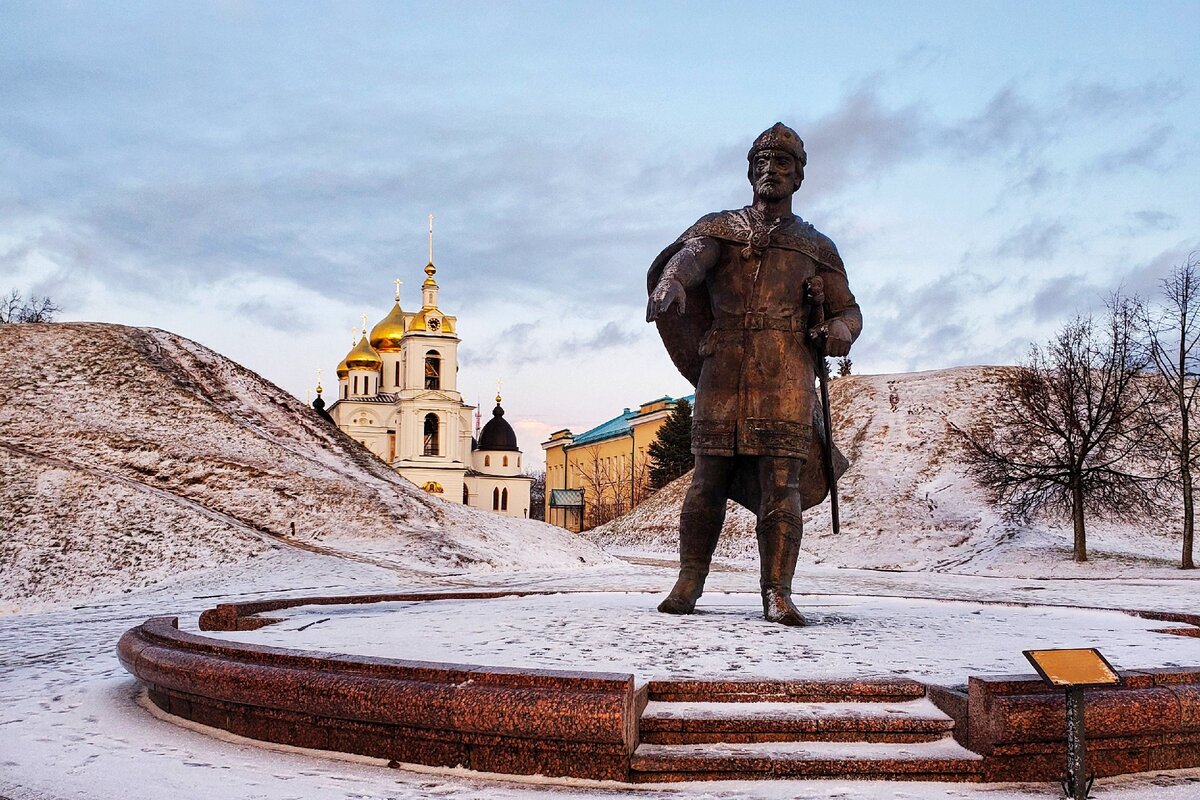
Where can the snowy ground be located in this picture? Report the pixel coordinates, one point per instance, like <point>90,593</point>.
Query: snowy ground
<point>72,724</point>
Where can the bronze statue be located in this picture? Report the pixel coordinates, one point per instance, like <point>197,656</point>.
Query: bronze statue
<point>760,295</point>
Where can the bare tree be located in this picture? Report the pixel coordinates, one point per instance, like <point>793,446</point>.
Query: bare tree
<point>640,483</point>
<point>1172,330</point>
<point>613,484</point>
<point>14,308</point>
<point>537,494</point>
<point>1068,425</point>
<point>10,307</point>
<point>599,480</point>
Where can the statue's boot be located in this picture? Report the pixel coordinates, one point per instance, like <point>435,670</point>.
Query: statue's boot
<point>699,531</point>
<point>779,535</point>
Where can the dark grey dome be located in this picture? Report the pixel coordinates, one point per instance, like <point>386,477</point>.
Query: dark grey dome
<point>498,434</point>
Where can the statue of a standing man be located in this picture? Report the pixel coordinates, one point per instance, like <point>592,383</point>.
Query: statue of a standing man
<point>754,290</point>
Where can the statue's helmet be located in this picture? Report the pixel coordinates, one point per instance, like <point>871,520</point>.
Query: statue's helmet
<point>779,137</point>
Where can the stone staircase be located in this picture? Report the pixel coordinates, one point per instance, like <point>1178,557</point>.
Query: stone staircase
<point>746,730</point>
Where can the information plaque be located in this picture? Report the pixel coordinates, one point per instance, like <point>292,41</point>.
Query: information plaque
<point>1066,668</point>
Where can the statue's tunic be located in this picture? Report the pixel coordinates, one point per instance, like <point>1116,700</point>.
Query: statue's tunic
<point>755,391</point>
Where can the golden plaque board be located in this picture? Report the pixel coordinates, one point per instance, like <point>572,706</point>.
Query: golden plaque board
<point>1067,668</point>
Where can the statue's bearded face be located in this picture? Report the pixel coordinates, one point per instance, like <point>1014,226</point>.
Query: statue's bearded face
<point>775,174</point>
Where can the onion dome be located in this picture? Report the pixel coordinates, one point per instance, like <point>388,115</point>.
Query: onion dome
<point>363,356</point>
<point>319,403</point>
<point>498,434</point>
<point>430,271</point>
<point>386,336</point>
<point>343,371</point>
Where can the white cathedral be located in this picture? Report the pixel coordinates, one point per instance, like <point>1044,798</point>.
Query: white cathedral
<point>398,396</point>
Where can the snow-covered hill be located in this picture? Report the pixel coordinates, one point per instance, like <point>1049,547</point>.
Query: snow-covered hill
<point>906,502</point>
<point>128,456</point>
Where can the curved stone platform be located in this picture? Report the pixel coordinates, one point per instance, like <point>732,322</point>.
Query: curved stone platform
<point>487,719</point>
<point>600,725</point>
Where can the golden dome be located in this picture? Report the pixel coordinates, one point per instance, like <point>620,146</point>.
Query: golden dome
<point>386,336</point>
<point>431,320</point>
<point>363,356</point>
<point>430,270</point>
<point>342,370</point>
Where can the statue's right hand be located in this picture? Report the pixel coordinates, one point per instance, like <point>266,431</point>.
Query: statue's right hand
<point>669,292</point>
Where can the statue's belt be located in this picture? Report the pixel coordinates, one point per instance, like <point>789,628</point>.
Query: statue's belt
<point>757,321</point>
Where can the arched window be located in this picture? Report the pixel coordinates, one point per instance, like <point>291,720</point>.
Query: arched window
<point>466,497</point>
<point>496,499</point>
<point>433,370</point>
<point>397,374</point>
<point>345,392</point>
<point>431,435</point>
<point>487,461</point>
<point>504,500</point>
<point>356,384</point>
<point>506,461</point>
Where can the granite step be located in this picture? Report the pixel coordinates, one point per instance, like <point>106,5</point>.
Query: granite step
<point>941,760</point>
<point>882,690</point>
<point>695,723</point>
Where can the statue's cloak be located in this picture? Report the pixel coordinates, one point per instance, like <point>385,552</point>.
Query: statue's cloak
<point>681,335</point>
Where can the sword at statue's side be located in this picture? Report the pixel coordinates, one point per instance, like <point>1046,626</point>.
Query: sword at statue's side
<point>816,296</point>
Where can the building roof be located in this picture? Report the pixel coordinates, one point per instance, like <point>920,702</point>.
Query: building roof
<point>566,498</point>
<point>619,426</point>
<point>382,398</point>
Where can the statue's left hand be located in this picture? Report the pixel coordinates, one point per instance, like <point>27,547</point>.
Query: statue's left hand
<point>836,336</point>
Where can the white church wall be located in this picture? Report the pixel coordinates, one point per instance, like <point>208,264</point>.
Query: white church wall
<point>487,489</point>
<point>393,379</point>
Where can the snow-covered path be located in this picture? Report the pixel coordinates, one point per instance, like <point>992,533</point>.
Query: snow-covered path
<point>72,725</point>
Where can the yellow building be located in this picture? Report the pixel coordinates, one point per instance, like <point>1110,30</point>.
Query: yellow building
<point>604,472</point>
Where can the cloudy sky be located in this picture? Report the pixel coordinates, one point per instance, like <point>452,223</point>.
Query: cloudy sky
<point>255,175</point>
